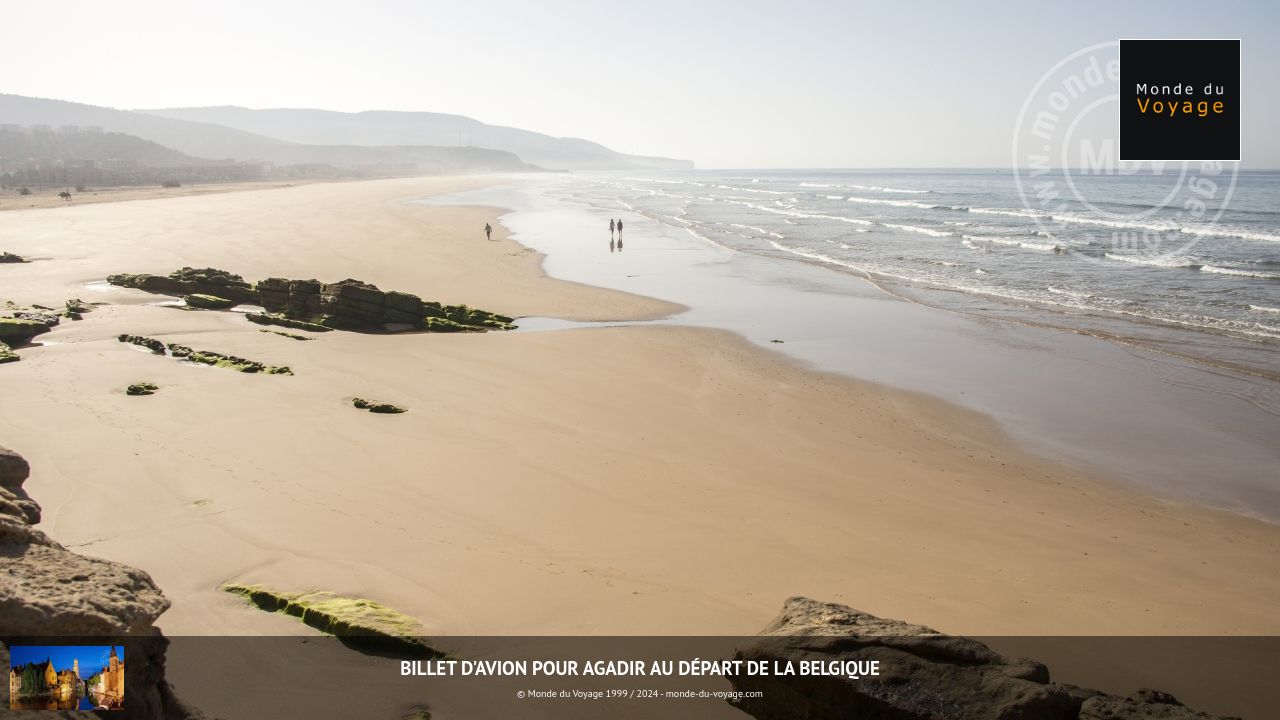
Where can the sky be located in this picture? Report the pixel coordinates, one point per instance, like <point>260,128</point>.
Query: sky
<point>724,83</point>
<point>92,657</point>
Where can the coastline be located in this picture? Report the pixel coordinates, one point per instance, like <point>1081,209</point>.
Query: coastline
<point>1164,425</point>
<point>666,480</point>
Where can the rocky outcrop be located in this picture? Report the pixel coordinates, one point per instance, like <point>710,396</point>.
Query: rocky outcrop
<point>19,331</point>
<point>311,305</point>
<point>7,355</point>
<point>191,281</point>
<point>923,675</point>
<point>355,305</point>
<point>231,362</point>
<point>51,592</point>
<point>151,344</point>
<point>374,406</point>
<point>8,257</point>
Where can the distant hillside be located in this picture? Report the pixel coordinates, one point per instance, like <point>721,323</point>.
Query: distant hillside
<point>211,141</point>
<point>17,146</point>
<point>381,127</point>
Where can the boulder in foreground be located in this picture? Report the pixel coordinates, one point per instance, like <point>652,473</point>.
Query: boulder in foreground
<point>924,675</point>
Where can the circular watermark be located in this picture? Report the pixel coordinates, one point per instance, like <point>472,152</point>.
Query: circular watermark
<point>1072,182</point>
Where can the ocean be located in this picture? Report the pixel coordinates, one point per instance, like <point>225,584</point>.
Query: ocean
<point>1116,257</point>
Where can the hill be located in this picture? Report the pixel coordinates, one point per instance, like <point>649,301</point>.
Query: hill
<point>212,141</point>
<point>383,127</point>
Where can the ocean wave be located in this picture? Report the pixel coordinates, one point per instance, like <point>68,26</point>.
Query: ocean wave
<point>1014,242</point>
<point>817,185</point>
<point>889,189</point>
<point>895,203</point>
<point>1239,273</point>
<point>754,228</point>
<point>1264,309</point>
<point>1160,261</point>
<point>1209,230</point>
<point>918,229</point>
<point>785,210</point>
<point>834,197</point>
<point>957,223</point>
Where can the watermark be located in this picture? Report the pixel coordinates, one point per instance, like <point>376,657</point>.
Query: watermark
<point>1072,182</point>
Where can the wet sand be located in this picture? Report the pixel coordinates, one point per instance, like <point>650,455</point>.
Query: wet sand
<point>632,480</point>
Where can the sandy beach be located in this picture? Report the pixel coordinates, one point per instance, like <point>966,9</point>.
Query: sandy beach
<point>630,480</point>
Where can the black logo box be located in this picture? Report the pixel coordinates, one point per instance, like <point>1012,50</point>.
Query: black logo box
<point>1185,65</point>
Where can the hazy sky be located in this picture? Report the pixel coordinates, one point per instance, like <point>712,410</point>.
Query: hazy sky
<point>726,84</point>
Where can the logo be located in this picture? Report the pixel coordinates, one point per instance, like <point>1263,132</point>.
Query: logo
<point>1073,182</point>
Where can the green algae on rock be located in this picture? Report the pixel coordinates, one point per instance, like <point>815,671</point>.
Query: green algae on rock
<point>232,362</point>
<point>8,257</point>
<point>142,388</point>
<point>208,302</point>
<point>357,621</point>
<point>282,321</point>
<point>7,355</point>
<point>378,407</point>
<point>18,331</point>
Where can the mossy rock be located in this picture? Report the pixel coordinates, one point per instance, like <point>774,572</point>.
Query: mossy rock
<point>8,257</point>
<point>360,623</point>
<point>377,407</point>
<point>142,388</point>
<point>15,331</point>
<point>7,355</point>
<point>151,344</point>
<point>281,333</point>
<point>271,319</point>
<point>231,362</point>
<point>208,302</point>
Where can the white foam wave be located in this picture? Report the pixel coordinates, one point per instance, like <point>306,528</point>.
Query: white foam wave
<point>1264,309</point>
<point>1239,273</point>
<point>918,229</point>
<point>1160,261</point>
<point>895,203</point>
<point>889,189</point>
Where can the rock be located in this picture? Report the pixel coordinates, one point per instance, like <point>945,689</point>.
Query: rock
<point>142,388</point>
<point>17,504</point>
<point>189,281</point>
<point>14,469</point>
<point>78,306</point>
<point>266,319</point>
<point>7,355</point>
<point>208,302</point>
<point>15,331</point>
<point>924,675</point>
<point>49,591</point>
<point>362,623</point>
<point>206,357</point>
<point>151,344</point>
<point>291,336</point>
<point>52,591</point>
<point>1142,705</point>
<point>377,407</point>
<point>49,319</point>
<point>306,304</point>
<point>8,257</point>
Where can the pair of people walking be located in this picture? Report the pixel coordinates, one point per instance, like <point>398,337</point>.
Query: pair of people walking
<point>615,225</point>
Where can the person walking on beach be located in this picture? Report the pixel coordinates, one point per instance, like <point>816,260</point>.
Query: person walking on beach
<point>619,229</point>
<point>488,231</point>
<point>610,230</point>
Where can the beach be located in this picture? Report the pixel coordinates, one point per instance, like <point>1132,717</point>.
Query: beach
<point>648,479</point>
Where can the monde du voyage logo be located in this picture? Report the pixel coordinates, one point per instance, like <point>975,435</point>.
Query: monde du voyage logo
<point>1180,100</point>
